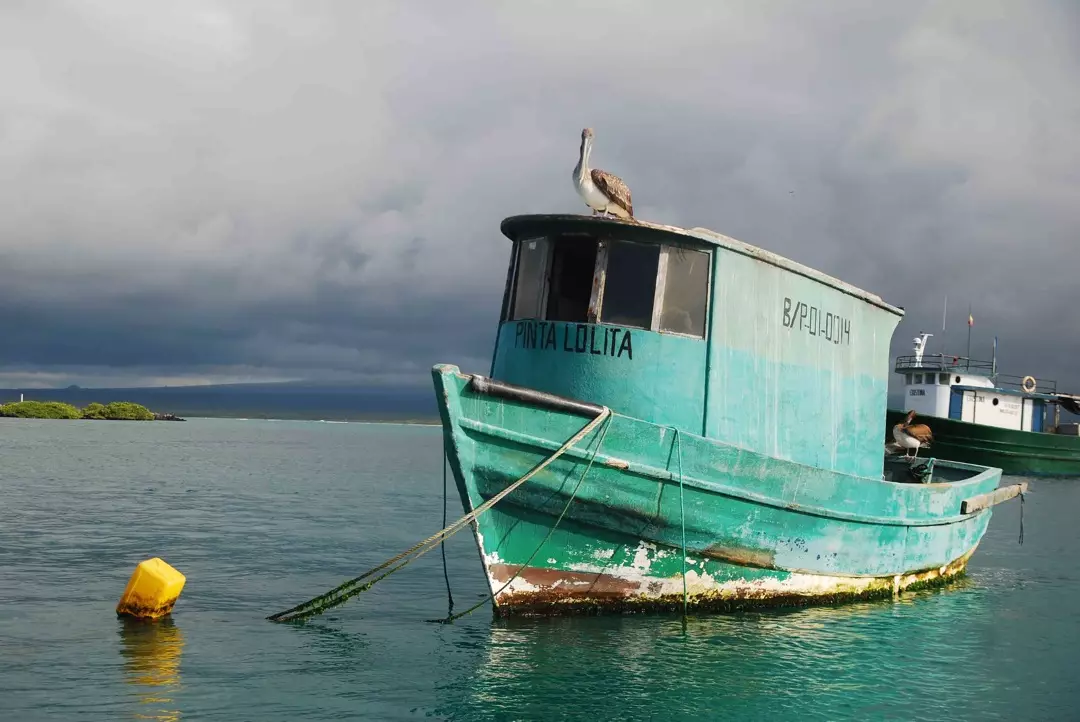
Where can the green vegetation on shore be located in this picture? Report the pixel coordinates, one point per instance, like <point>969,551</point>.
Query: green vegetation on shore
<point>115,411</point>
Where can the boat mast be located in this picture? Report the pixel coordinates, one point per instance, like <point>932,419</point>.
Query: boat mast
<point>971,322</point>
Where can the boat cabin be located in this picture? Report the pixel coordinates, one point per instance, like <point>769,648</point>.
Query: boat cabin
<point>955,387</point>
<point>698,331</point>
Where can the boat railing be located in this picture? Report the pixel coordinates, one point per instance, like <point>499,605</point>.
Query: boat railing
<point>1012,381</point>
<point>945,363</point>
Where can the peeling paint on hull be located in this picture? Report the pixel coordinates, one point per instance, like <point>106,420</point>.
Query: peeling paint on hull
<point>546,592</point>
<point>747,529</point>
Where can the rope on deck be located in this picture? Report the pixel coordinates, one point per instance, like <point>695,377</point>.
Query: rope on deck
<point>347,590</point>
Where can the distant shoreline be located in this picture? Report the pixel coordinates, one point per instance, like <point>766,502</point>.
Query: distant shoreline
<point>203,417</point>
<point>62,411</point>
<point>377,404</point>
<point>381,422</point>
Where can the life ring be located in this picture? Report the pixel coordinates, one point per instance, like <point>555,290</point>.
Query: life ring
<point>1025,384</point>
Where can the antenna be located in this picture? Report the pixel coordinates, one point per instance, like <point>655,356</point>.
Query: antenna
<point>920,346</point>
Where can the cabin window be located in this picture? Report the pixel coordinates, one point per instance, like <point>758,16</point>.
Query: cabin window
<point>638,285</point>
<point>686,291</point>
<point>554,279</point>
<point>918,379</point>
<point>907,379</point>
<point>631,284</point>
<point>943,379</point>
<point>529,288</point>
<point>573,261</point>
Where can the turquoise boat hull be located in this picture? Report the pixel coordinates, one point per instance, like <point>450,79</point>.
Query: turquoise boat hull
<point>664,517</point>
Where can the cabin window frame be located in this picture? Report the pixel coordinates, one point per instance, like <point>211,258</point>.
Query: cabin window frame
<point>595,314</point>
<point>596,305</point>
<point>545,284</point>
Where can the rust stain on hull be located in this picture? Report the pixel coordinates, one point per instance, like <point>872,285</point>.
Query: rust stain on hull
<point>741,556</point>
<point>550,592</point>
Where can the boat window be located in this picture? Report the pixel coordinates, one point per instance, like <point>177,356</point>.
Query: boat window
<point>918,379</point>
<point>531,272</point>
<point>943,379</point>
<point>554,278</point>
<point>907,379</point>
<point>631,284</point>
<point>686,290</point>
<point>573,261</point>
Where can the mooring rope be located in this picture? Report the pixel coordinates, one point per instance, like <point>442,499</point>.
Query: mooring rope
<point>442,544</point>
<point>345,591</point>
<point>566,507</point>
<point>1021,518</point>
<point>682,519</point>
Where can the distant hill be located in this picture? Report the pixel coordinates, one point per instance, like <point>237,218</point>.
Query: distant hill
<point>260,401</point>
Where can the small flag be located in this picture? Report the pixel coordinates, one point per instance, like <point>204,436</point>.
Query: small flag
<point>971,321</point>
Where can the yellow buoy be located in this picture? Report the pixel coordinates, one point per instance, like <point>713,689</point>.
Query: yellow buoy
<point>151,591</point>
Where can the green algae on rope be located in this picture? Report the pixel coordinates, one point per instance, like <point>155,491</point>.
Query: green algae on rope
<point>347,590</point>
<point>450,617</point>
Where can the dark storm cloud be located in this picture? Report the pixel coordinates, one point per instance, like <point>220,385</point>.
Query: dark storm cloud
<point>225,190</point>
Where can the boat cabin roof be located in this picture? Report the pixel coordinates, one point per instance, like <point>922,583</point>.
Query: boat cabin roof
<point>524,226</point>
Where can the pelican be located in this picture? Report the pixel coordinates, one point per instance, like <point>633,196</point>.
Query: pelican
<point>912,436</point>
<point>603,192</point>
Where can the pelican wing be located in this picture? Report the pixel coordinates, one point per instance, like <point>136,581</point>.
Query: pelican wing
<point>920,432</point>
<point>613,187</point>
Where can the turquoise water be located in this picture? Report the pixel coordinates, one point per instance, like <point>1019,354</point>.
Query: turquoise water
<point>260,515</point>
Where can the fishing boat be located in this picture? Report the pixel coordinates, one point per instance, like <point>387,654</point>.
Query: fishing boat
<point>674,419</point>
<point>981,416</point>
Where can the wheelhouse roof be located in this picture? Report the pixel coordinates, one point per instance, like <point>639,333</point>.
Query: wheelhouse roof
<point>523,226</point>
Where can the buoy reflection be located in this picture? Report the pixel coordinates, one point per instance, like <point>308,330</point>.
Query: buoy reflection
<point>151,659</point>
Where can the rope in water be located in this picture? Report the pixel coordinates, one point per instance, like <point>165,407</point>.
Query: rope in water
<point>442,544</point>
<point>1021,518</point>
<point>345,591</point>
<point>566,507</point>
<point>682,518</point>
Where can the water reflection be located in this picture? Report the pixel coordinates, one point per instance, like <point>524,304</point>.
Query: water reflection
<point>865,658</point>
<point>151,659</point>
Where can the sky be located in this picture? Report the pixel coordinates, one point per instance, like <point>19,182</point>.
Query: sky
<point>255,190</point>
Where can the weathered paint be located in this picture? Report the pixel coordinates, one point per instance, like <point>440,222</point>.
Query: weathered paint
<point>606,364</point>
<point>1019,453</point>
<point>789,348</point>
<point>784,342</point>
<point>759,530</point>
<point>775,476</point>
